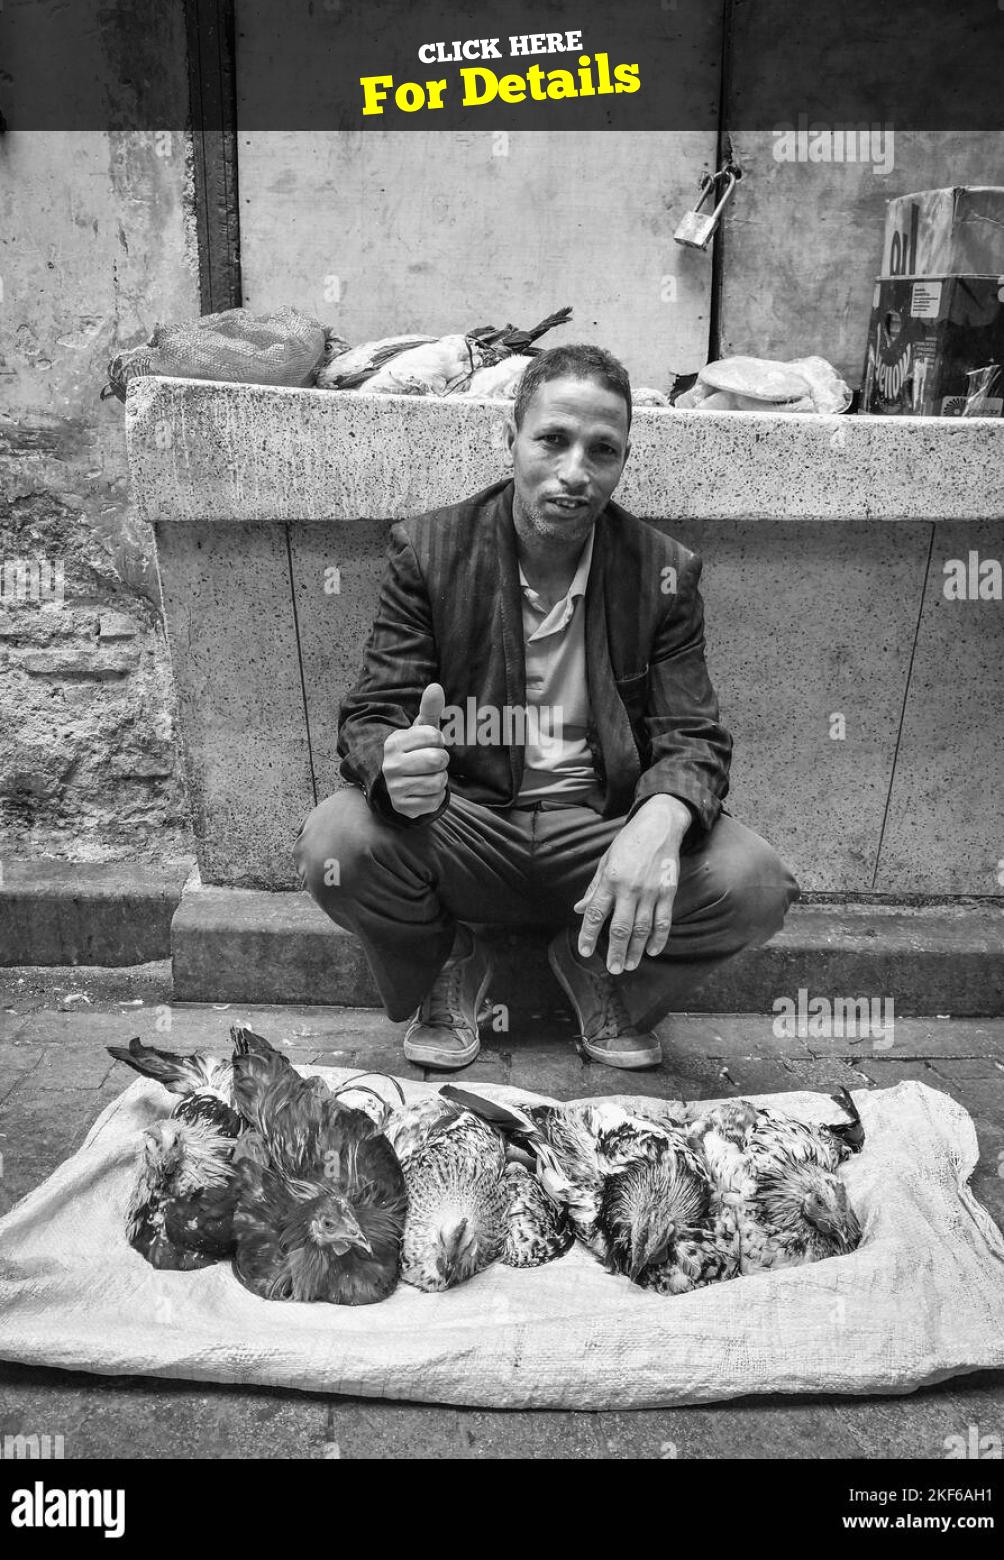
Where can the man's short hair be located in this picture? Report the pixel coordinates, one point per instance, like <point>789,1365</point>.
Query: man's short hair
<point>576,361</point>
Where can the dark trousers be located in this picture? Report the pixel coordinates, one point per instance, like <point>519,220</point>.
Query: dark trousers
<point>402,891</point>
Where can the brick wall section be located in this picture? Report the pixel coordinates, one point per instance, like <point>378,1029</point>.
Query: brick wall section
<point>89,767</point>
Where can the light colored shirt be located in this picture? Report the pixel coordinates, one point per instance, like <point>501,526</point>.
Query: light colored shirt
<point>558,763</point>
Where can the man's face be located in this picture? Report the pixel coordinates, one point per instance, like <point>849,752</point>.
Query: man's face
<point>567,458</point>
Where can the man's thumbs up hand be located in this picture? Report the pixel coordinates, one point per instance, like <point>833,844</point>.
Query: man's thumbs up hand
<point>415,759</point>
<point>430,711</point>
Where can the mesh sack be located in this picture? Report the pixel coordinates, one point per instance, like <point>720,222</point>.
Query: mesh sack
<point>235,346</point>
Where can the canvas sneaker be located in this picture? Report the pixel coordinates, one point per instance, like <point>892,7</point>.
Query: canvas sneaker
<point>443,1033</point>
<point>605,1029</point>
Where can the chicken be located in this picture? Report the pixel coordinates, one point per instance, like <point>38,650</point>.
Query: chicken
<point>257,1163</point>
<point>310,1239</point>
<point>435,368</point>
<point>537,1229</point>
<point>468,1205</point>
<point>324,1218</point>
<point>497,381</point>
<point>204,1083</point>
<point>181,1214</point>
<point>636,1193</point>
<point>427,365</point>
<point>454,1167</point>
<point>778,1176</point>
<point>295,1117</point>
<point>349,369</point>
<point>334,346</point>
<point>510,339</point>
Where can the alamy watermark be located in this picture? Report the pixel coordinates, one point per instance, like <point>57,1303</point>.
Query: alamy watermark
<point>31,1448</point>
<point>31,579</point>
<point>803,142</point>
<point>839,1018</point>
<point>39,1507</point>
<point>507,725</point>
<point>974,1445</point>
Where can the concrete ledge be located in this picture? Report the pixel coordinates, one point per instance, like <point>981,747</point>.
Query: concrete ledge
<point>208,452</point>
<point>238,945</point>
<point>70,912</point>
<point>242,945</point>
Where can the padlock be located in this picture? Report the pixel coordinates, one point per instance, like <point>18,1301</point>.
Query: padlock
<point>697,228</point>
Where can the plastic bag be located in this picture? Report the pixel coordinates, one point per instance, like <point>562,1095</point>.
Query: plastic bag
<point>983,387</point>
<point>740,384</point>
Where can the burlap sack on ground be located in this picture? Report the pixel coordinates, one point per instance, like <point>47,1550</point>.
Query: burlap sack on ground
<point>921,1299</point>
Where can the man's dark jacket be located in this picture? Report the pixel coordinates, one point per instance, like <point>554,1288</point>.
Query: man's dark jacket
<point>450,612</point>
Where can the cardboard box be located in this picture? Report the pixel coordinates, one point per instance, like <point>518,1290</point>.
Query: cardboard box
<point>945,232</point>
<point>927,338</point>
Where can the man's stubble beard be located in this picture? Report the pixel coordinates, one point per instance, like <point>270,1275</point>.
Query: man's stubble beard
<point>540,527</point>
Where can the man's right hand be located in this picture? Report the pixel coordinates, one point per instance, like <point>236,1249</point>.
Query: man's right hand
<point>415,759</point>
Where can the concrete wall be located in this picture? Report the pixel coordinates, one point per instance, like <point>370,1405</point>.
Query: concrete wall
<point>96,245</point>
<point>864,704</point>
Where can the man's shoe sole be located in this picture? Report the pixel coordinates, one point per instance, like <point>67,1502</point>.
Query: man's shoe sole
<point>435,1061</point>
<point>629,1062</point>
<point>626,1061</point>
<point>452,1061</point>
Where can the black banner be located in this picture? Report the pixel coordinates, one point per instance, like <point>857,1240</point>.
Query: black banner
<point>402,65</point>
<point>143,1503</point>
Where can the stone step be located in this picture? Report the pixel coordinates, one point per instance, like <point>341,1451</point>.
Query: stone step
<point>95,913</point>
<point>241,945</point>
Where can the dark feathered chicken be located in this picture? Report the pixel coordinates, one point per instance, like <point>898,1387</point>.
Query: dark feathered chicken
<point>307,1239</point>
<point>203,1083</point>
<point>325,1220</point>
<point>256,1162</point>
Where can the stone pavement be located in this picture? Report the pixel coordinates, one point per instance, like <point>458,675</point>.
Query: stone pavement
<point>55,1076</point>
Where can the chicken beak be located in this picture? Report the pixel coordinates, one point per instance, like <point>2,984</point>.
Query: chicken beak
<point>648,1249</point>
<point>352,1232</point>
<point>639,1261</point>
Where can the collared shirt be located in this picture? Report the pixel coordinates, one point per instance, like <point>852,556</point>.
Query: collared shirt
<point>558,763</point>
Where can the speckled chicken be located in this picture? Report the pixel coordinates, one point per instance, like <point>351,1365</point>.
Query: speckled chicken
<point>537,1229</point>
<point>453,1167</point>
<point>467,1206</point>
<point>636,1193</point>
<point>324,1220</point>
<point>777,1178</point>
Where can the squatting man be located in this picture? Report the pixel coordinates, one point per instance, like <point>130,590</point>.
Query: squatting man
<point>609,835</point>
